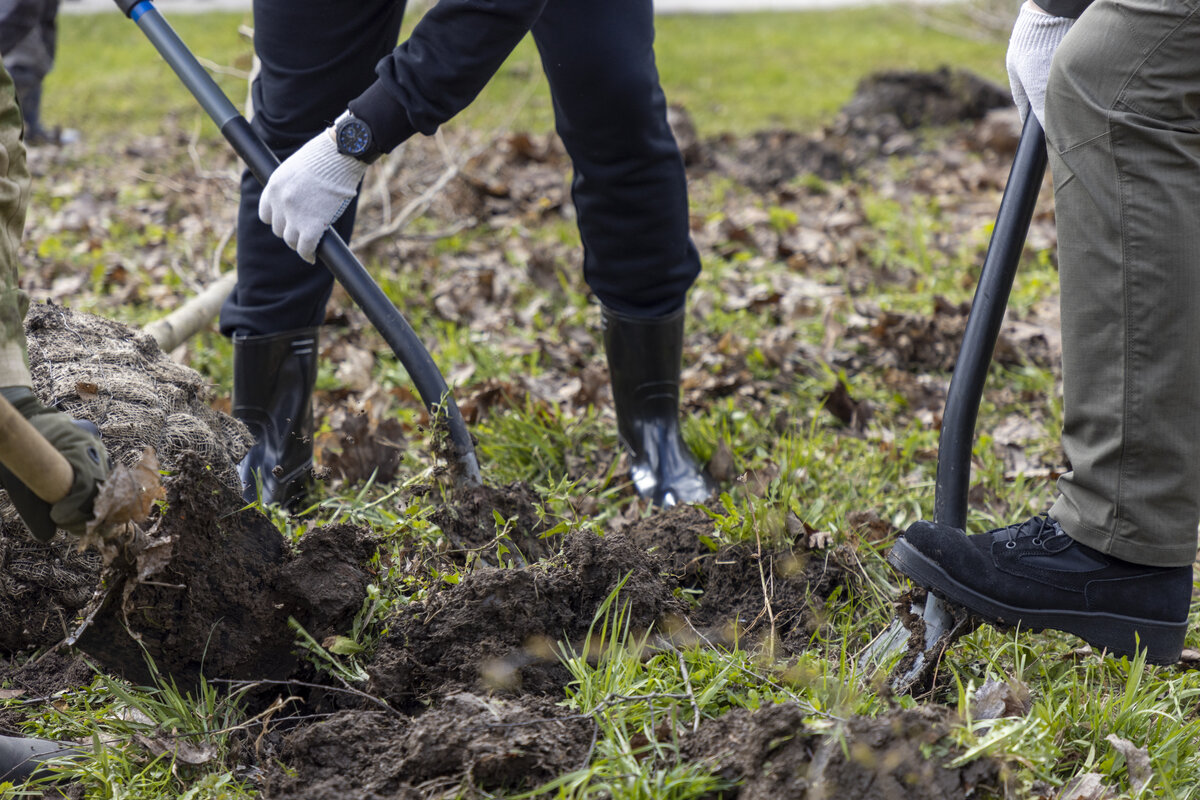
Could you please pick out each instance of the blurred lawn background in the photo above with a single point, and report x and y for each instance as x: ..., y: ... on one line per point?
x: 735, y: 73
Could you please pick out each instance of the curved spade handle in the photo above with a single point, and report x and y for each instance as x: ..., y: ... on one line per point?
x: 332, y: 250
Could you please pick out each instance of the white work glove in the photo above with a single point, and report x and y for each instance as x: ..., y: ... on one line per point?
x: 1035, y: 37
x: 308, y: 192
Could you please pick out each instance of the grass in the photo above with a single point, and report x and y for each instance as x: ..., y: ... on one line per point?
x: 735, y: 73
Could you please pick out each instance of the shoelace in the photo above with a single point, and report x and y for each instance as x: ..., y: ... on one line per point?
x: 1043, y: 527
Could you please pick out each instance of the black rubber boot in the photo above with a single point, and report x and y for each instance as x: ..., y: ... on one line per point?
x: 29, y: 98
x: 644, y: 360
x: 22, y: 758
x: 273, y: 379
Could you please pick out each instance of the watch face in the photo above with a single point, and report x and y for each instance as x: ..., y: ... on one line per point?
x: 353, y: 137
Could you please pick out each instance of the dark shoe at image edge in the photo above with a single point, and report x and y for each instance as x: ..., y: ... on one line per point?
x: 1034, y: 576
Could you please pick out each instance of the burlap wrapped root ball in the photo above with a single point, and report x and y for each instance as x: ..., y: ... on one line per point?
x: 116, y: 376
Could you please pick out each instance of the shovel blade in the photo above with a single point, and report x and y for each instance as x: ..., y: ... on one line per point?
x: 912, y: 646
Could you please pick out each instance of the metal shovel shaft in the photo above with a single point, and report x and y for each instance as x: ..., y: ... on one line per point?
x: 332, y: 250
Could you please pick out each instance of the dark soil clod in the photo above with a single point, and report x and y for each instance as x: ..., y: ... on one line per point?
x: 774, y: 755
x: 466, y: 740
x: 497, y: 628
x: 221, y: 605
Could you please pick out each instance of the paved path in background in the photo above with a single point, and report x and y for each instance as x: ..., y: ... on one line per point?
x: 661, y: 6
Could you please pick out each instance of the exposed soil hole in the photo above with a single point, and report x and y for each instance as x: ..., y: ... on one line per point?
x: 497, y: 628
x: 467, y: 739
x: 773, y: 756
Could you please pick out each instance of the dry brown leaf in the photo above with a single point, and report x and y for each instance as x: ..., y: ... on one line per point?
x: 1088, y: 786
x: 1137, y: 761
x: 128, y: 495
x: 180, y: 750
x: 997, y: 699
x: 721, y: 465
x: 820, y: 540
x: 869, y: 525
x: 364, y: 447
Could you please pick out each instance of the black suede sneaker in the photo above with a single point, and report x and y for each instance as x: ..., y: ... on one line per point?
x: 1034, y: 576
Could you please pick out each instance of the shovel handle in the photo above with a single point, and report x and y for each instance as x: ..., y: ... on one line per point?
x: 33, y: 460
x: 333, y: 252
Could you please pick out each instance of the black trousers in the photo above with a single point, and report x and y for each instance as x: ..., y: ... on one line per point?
x: 629, y: 184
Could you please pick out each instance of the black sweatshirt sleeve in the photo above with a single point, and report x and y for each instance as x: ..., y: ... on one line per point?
x: 452, y: 53
x: 1063, y: 8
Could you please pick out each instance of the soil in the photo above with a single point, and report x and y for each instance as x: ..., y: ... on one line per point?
x: 736, y: 599
x: 774, y: 755
x: 41, y: 678
x: 467, y: 739
x: 468, y: 520
x: 221, y: 602
x: 496, y: 630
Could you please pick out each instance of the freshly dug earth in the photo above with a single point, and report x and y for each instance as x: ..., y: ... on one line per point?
x: 466, y: 739
x: 774, y: 755
x: 221, y: 601
x: 41, y: 679
x: 498, y: 628
x: 744, y: 593
x: 469, y: 522
x: 219, y: 586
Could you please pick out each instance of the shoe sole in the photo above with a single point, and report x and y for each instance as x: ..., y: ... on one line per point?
x: 1119, y: 635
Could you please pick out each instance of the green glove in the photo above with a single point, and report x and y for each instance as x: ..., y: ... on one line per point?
x: 79, y: 442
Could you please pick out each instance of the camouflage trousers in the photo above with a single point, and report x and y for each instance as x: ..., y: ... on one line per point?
x: 14, y: 198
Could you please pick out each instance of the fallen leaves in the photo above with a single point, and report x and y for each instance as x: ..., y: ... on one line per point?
x: 126, y: 498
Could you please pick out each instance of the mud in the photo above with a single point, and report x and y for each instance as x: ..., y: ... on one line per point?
x: 221, y: 601
x: 466, y: 740
x: 497, y: 628
x: 774, y: 754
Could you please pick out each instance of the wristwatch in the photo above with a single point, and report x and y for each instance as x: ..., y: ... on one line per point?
x: 354, y: 138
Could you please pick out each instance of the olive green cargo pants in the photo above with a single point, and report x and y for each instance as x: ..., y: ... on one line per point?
x: 1123, y: 126
x: 14, y: 198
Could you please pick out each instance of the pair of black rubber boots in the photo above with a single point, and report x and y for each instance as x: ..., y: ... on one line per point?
x: 274, y: 376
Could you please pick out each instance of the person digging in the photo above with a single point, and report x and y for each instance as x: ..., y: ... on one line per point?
x: 51, y: 465
x: 1112, y: 561
x: 334, y: 92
